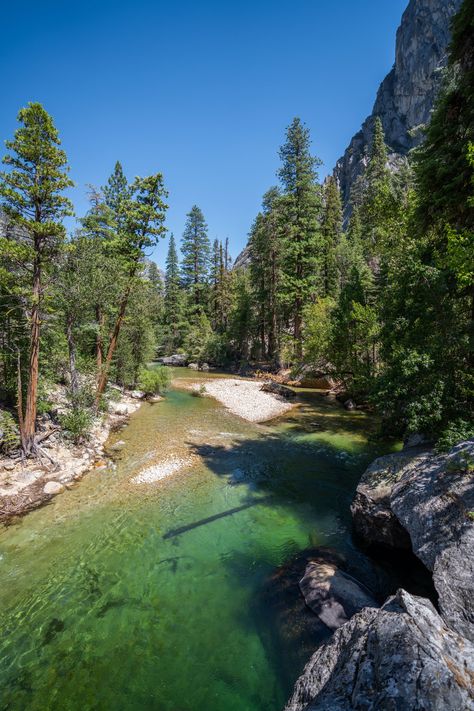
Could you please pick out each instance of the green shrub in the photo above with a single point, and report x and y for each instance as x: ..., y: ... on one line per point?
x: 77, y: 424
x: 154, y: 380
x: 457, y: 431
x: 9, y: 434
x: 43, y: 403
x: 83, y: 398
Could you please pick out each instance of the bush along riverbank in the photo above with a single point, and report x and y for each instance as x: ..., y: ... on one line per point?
x: 71, y: 443
x: 414, y: 500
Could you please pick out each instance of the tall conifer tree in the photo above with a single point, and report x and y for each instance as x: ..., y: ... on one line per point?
x: 195, y: 248
x: 32, y: 198
x: 301, y: 262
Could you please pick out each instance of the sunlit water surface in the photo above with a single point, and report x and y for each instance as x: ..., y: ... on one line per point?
x: 125, y: 596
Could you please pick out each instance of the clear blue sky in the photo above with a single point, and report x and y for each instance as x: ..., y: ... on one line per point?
x: 199, y: 90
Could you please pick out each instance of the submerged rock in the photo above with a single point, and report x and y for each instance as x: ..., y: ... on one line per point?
x: 401, y: 656
x: 334, y: 596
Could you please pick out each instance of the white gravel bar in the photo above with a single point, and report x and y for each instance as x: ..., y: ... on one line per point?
x: 245, y: 398
x: 164, y: 469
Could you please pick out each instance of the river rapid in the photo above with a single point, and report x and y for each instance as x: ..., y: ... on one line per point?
x: 131, y: 596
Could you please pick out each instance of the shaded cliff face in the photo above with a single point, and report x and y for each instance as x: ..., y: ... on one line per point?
x: 407, y: 94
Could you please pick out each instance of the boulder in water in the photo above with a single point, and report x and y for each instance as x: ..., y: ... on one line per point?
x: 401, y: 656
x: 333, y: 595
x: 424, y: 500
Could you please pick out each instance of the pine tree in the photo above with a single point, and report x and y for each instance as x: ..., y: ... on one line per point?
x: 378, y: 208
x: 140, y: 215
x: 116, y: 193
x: 265, y: 244
x: 302, y: 239
x: 172, y: 302
x: 32, y: 199
x: 195, y: 248
x: 331, y: 234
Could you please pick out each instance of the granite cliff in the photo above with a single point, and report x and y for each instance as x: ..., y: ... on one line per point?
x: 407, y: 94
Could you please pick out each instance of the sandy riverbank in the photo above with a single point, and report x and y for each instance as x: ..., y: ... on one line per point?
x: 245, y: 398
x: 26, y: 485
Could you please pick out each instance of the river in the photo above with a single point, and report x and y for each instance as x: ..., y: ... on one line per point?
x: 127, y: 596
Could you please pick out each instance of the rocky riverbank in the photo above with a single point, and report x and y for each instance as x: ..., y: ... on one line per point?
x: 415, y: 501
x: 28, y: 484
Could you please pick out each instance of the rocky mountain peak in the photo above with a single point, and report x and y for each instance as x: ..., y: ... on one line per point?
x: 407, y: 94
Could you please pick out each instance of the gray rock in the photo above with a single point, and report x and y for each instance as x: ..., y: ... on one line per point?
x: 400, y: 657
x: 120, y: 408
x: 308, y: 376
x: 334, y: 596
x: 53, y: 487
x: 176, y: 360
x: 349, y: 405
x: 193, y: 366
x: 424, y: 501
x: 278, y: 389
x: 204, y: 367
x: 372, y: 516
x: 407, y: 94
x: 415, y: 440
x: 243, y: 260
x: 433, y: 502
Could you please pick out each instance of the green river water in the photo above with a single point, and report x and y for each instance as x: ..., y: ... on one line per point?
x: 149, y: 596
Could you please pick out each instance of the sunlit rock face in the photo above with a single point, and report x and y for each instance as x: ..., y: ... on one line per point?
x: 407, y: 94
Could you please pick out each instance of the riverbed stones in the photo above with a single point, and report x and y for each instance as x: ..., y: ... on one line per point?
x: 53, y: 487
x: 333, y: 595
x: 401, y: 656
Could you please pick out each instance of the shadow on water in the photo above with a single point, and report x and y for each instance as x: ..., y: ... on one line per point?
x: 204, y: 521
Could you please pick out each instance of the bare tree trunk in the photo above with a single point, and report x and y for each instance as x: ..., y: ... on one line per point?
x: 72, y: 356
x: 100, y: 318
x: 297, y: 329
x: 19, y: 399
x: 104, y: 375
x: 29, y: 428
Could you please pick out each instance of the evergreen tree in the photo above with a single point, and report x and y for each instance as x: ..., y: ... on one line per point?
x: 195, y: 248
x: 377, y: 209
x: 172, y: 299
x: 32, y: 199
x: 331, y: 235
x: 139, y: 224
x: 265, y: 245
x: 301, y: 262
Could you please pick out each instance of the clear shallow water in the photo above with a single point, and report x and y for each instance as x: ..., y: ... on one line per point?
x: 125, y: 596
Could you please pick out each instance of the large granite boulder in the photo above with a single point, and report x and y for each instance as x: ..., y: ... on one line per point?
x: 401, y: 657
x: 372, y: 515
x: 435, y: 504
x: 333, y: 595
x: 426, y: 500
x: 175, y: 360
